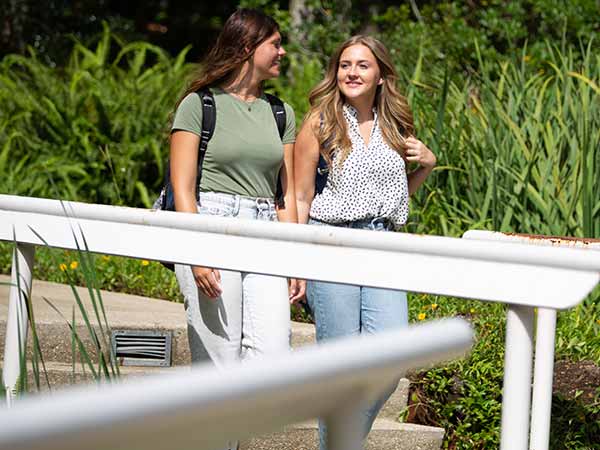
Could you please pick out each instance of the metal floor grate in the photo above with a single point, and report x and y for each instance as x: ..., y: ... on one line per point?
x: 142, y: 347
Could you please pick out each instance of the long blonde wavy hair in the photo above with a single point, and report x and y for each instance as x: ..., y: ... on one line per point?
x: 326, y: 103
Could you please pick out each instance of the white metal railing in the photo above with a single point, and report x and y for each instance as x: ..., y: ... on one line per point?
x: 520, y: 358
x: 520, y: 275
x: 202, y: 408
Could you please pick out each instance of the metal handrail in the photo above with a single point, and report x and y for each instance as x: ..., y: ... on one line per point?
x: 518, y: 390
x: 508, y: 252
x: 202, y: 407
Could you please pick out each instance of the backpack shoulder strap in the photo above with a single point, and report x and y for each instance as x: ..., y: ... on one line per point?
x: 278, y: 112
x: 209, y: 120
x: 280, y: 119
x: 209, y: 117
x: 322, y: 168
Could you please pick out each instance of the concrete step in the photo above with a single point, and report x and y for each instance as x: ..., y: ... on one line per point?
x: 397, y: 401
x: 385, y: 435
x: 128, y: 312
x: 122, y: 311
x: 60, y: 375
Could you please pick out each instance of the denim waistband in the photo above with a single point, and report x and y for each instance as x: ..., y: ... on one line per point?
x: 237, y: 201
x: 376, y: 224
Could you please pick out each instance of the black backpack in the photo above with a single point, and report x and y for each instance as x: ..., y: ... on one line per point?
x: 209, y: 120
x: 321, y: 175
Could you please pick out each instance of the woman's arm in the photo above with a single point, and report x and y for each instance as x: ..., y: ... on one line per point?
x: 184, y: 168
x: 306, y: 159
x: 418, y: 152
x: 289, y: 212
x: 296, y: 288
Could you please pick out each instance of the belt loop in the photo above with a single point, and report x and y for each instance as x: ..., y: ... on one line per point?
x: 236, y: 204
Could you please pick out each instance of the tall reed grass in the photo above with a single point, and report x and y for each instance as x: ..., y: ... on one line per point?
x: 98, y: 358
x: 518, y: 145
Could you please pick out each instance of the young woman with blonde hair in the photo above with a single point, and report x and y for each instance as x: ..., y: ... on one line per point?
x: 360, y: 132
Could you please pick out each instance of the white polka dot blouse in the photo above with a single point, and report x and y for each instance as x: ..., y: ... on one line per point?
x: 370, y: 184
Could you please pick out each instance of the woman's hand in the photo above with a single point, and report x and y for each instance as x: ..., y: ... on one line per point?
x: 208, y: 281
x: 296, y: 289
x: 419, y: 153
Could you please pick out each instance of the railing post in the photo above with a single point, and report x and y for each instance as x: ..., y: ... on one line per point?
x: 516, y: 394
x: 345, y: 426
x: 543, y: 377
x: 17, y: 321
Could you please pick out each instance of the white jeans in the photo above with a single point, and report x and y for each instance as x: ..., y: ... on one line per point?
x: 252, y: 315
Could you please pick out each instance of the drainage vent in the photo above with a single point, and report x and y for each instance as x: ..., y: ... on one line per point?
x: 142, y: 347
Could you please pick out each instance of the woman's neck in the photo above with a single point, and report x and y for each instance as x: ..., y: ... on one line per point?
x: 243, y: 84
x: 364, y: 108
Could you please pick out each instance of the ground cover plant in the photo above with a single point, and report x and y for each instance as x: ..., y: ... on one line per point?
x: 518, y: 145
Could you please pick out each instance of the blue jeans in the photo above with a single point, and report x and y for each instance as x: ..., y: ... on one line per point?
x: 344, y: 310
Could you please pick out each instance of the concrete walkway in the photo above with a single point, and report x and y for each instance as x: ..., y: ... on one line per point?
x: 123, y: 311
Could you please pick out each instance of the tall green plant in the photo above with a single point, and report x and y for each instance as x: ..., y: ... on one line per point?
x: 518, y: 148
x: 94, y: 130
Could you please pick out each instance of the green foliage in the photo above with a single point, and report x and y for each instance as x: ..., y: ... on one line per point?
x: 302, y: 75
x: 448, y: 31
x: 517, y: 151
x: 94, y: 130
x: 578, y: 334
x: 101, y: 361
x: 575, y: 425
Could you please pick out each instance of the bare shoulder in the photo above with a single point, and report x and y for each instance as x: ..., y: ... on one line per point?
x: 310, y: 125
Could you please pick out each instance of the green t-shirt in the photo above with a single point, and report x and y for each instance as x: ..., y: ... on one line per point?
x: 245, y: 152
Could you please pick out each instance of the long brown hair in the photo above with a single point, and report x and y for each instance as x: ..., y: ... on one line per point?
x: 326, y: 101
x: 242, y: 33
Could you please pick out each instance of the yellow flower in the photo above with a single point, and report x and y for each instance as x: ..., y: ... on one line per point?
x: 145, y: 262
x: 106, y: 257
x: 526, y: 58
x: 472, y: 310
x: 422, y: 316
x: 73, y: 265
x: 63, y: 267
x: 434, y: 306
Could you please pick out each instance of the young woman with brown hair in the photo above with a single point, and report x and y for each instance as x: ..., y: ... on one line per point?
x: 362, y: 128
x: 235, y: 315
